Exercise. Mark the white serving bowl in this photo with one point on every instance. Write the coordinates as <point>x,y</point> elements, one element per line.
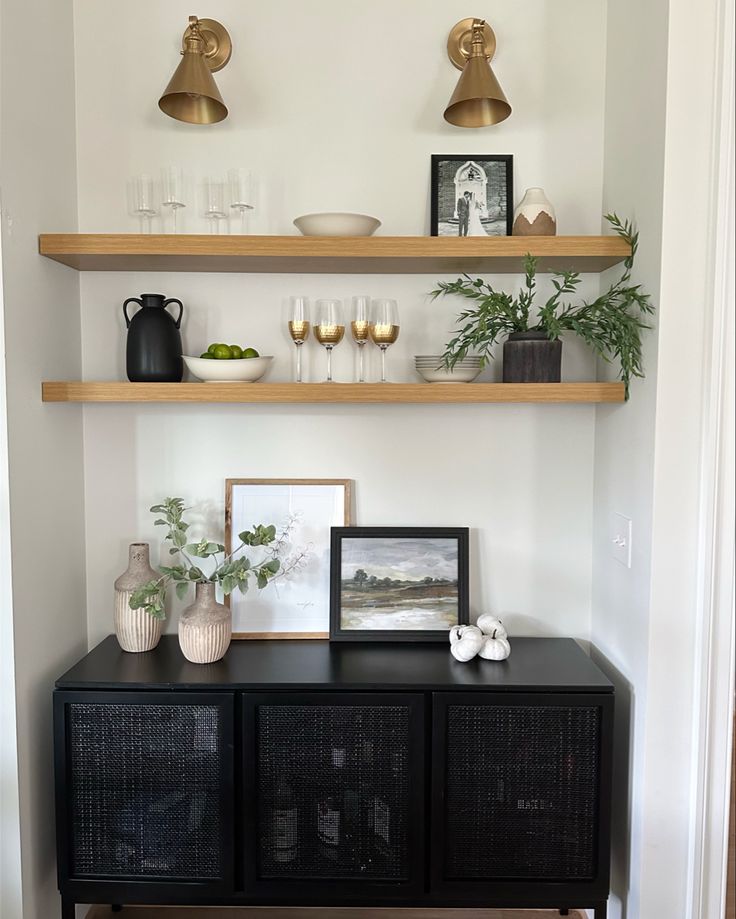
<point>245,370</point>
<point>457,375</point>
<point>334,224</point>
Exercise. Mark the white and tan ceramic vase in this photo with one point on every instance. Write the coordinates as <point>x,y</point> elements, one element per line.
<point>205,627</point>
<point>535,215</point>
<point>136,630</point>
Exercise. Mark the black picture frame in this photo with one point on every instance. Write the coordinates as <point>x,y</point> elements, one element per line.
<point>338,537</point>
<point>439,158</point>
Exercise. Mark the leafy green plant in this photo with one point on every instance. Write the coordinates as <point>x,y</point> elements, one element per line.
<point>611,325</point>
<point>230,571</point>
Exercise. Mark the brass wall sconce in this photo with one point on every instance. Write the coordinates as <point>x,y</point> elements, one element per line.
<point>478,99</point>
<point>192,94</point>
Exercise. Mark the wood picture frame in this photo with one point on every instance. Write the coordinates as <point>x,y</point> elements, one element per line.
<point>412,593</point>
<point>492,194</point>
<point>317,569</point>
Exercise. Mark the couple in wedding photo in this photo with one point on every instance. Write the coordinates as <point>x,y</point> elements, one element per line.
<point>471,196</point>
<point>468,212</point>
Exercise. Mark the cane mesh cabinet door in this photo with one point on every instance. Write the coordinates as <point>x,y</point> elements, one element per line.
<point>520,792</point>
<point>144,788</point>
<point>337,795</point>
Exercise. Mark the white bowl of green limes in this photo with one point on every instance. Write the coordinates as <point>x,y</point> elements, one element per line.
<point>222,363</point>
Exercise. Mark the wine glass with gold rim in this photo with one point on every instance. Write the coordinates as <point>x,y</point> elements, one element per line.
<point>329,328</point>
<point>384,328</point>
<point>299,328</point>
<point>359,326</point>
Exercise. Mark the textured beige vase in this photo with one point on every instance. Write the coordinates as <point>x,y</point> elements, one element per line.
<point>205,627</point>
<point>535,215</point>
<point>135,629</point>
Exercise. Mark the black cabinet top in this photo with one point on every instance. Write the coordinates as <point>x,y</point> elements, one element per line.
<point>535,664</point>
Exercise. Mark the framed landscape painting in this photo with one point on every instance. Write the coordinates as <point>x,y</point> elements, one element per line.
<point>296,603</point>
<point>398,583</point>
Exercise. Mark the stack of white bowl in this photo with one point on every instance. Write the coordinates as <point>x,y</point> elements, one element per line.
<point>433,370</point>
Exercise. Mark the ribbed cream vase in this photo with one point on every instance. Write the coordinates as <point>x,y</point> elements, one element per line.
<point>205,627</point>
<point>135,629</point>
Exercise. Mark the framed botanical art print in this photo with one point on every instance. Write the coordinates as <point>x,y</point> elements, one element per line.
<point>296,602</point>
<point>472,195</point>
<point>398,583</point>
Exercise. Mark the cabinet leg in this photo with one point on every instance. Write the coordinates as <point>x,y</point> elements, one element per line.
<point>116,907</point>
<point>564,912</point>
<point>68,910</point>
<point>601,910</point>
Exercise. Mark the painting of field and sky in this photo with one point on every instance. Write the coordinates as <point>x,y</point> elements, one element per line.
<point>399,583</point>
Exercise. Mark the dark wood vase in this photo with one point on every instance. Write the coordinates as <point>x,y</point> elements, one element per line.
<point>530,357</point>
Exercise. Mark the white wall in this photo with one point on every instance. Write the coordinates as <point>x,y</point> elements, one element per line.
<point>42,341</point>
<point>650,623</point>
<point>11,881</point>
<point>636,74</point>
<point>684,511</point>
<point>338,105</point>
<point>346,123</point>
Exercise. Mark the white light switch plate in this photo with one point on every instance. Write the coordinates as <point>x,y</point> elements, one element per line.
<point>620,536</point>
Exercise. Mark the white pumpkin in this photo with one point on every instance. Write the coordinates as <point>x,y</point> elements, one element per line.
<point>488,623</point>
<point>458,631</point>
<point>495,647</point>
<point>465,642</point>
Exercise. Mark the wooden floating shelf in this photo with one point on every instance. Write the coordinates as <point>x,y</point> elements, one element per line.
<point>331,255</point>
<point>335,393</point>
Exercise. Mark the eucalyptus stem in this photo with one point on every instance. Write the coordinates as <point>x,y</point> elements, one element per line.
<point>611,325</point>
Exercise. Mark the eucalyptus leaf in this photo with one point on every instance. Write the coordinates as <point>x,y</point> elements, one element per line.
<point>232,572</point>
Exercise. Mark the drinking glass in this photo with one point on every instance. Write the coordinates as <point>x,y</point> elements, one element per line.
<point>359,327</point>
<point>384,328</point>
<point>142,203</point>
<point>214,203</point>
<point>329,328</point>
<point>299,328</point>
<point>172,186</point>
<point>240,194</point>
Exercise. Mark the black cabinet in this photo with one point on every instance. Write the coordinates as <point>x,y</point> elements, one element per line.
<point>338,793</point>
<point>520,792</point>
<point>307,773</point>
<point>143,788</point>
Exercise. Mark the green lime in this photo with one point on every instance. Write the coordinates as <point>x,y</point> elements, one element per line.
<point>236,352</point>
<point>250,352</point>
<point>222,353</point>
<point>212,347</point>
<point>209,356</point>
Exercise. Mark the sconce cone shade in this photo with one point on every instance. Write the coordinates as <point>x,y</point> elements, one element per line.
<point>192,94</point>
<point>478,99</point>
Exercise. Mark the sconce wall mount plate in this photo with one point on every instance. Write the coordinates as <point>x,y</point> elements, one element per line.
<point>460,42</point>
<point>217,40</point>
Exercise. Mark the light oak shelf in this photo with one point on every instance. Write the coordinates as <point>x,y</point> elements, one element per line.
<point>255,393</point>
<point>330,255</point>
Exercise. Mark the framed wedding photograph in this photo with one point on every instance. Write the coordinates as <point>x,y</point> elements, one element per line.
<point>296,602</point>
<point>472,195</point>
<point>398,583</point>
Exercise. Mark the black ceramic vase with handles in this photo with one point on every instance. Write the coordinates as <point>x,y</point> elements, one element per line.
<point>153,352</point>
